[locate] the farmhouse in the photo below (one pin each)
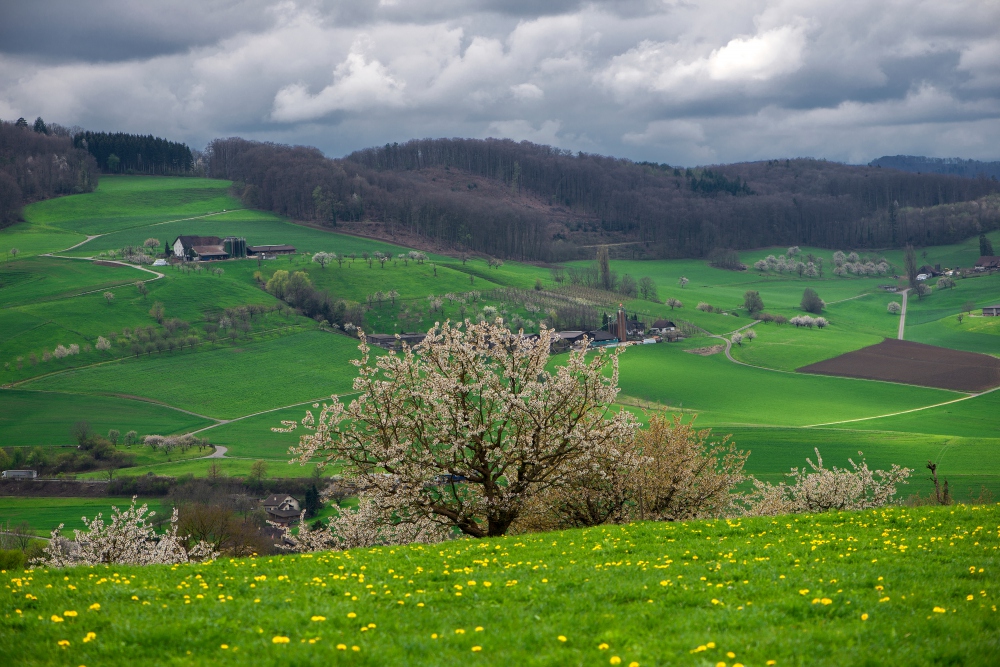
(282, 509)
(663, 326)
(991, 311)
(988, 262)
(600, 338)
(206, 253)
(183, 245)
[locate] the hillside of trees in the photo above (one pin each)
(37, 162)
(936, 165)
(121, 153)
(526, 201)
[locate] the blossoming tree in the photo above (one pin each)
(462, 429)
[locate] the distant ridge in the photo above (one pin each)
(954, 166)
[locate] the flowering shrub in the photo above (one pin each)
(127, 540)
(820, 489)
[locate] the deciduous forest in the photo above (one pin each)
(527, 201)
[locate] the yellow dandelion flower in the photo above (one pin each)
(487, 584)
(341, 647)
(968, 597)
(278, 639)
(710, 645)
(939, 610)
(602, 647)
(771, 662)
(730, 655)
(477, 649)
(826, 601)
(224, 646)
(69, 613)
(355, 648)
(561, 638)
(479, 628)
(864, 617)
(317, 619)
(615, 660)
(90, 636)
(434, 635)
(720, 664)
(459, 631)
(633, 664)
(64, 642)
(56, 619)
(804, 591)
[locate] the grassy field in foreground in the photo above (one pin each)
(830, 589)
(44, 514)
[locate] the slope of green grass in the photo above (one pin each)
(981, 290)
(829, 589)
(724, 393)
(787, 347)
(45, 418)
(121, 202)
(972, 334)
(972, 417)
(44, 514)
(225, 382)
(43, 278)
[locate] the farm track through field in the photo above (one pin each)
(902, 317)
(264, 412)
(903, 412)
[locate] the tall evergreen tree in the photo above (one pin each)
(985, 246)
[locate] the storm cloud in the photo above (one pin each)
(671, 81)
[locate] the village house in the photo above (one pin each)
(988, 263)
(991, 311)
(183, 246)
(282, 509)
(663, 326)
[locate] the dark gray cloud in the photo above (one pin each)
(672, 81)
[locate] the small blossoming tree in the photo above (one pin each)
(463, 428)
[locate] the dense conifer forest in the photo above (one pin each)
(121, 153)
(37, 162)
(527, 201)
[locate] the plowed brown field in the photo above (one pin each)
(915, 363)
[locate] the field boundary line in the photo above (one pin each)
(127, 397)
(903, 412)
(264, 412)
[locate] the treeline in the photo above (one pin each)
(552, 204)
(37, 163)
(121, 153)
(936, 165)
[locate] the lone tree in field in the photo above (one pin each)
(460, 431)
(151, 244)
(141, 287)
(647, 288)
(13, 252)
(323, 258)
(811, 303)
(894, 308)
(109, 296)
(683, 281)
(752, 302)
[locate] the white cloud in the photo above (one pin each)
(359, 84)
(683, 83)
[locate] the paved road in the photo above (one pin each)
(219, 453)
(902, 317)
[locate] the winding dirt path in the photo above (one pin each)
(902, 316)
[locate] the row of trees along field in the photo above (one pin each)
(553, 201)
(120, 153)
(37, 162)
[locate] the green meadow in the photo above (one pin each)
(893, 586)
(43, 518)
(238, 389)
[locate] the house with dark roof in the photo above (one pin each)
(207, 253)
(183, 245)
(991, 311)
(663, 326)
(600, 338)
(988, 262)
(282, 509)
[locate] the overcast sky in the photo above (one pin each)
(680, 82)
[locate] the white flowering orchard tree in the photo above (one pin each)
(463, 428)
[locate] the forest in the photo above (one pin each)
(37, 163)
(527, 201)
(121, 153)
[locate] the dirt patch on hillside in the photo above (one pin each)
(915, 363)
(707, 351)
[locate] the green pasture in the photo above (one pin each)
(971, 417)
(45, 513)
(787, 347)
(727, 394)
(45, 417)
(253, 438)
(37, 279)
(225, 382)
(909, 586)
(34, 239)
(972, 334)
(981, 290)
(121, 202)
